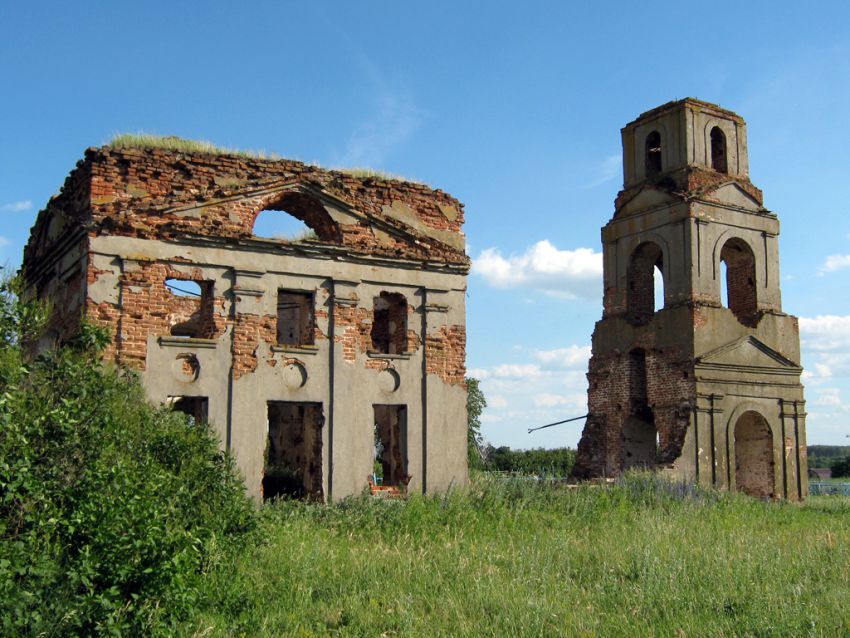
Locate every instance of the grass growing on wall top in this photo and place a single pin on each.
(174, 143)
(182, 145)
(519, 558)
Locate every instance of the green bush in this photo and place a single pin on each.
(840, 467)
(110, 509)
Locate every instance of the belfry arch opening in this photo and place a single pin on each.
(653, 154)
(754, 464)
(738, 286)
(296, 216)
(718, 150)
(645, 283)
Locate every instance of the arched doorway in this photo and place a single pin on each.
(640, 443)
(754, 466)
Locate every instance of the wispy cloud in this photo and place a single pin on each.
(393, 120)
(564, 273)
(16, 207)
(825, 341)
(570, 358)
(835, 262)
(608, 169)
(4, 242)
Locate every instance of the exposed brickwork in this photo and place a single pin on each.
(148, 307)
(662, 391)
(689, 183)
(445, 354)
(154, 193)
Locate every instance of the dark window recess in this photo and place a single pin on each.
(389, 323)
(740, 282)
(653, 154)
(293, 464)
(295, 318)
(391, 445)
(190, 307)
(641, 294)
(718, 150)
(197, 408)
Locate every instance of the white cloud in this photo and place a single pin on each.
(4, 242)
(829, 397)
(550, 400)
(497, 401)
(835, 262)
(825, 341)
(825, 332)
(565, 273)
(568, 358)
(16, 207)
(507, 371)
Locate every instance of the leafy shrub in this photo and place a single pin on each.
(110, 508)
(840, 467)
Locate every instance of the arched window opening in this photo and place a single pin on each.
(296, 217)
(754, 465)
(653, 154)
(190, 308)
(740, 280)
(658, 287)
(641, 275)
(389, 323)
(718, 150)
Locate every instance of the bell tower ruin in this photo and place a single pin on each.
(695, 369)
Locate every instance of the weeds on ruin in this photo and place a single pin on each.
(181, 145)
(110, 509)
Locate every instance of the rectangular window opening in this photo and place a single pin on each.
(293, 459)
(197, 408)
(190, 308)
(390, 460)
(295, 318)
(389, 323)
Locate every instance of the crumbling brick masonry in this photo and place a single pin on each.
(293, 349)
(702, 385)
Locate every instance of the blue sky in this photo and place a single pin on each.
(514, 108)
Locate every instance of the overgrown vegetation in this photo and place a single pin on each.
(548, 462)
(523, 558)
(110, 509)
(179, 144)
(182, 145)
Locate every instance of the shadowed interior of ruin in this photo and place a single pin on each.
(391, 444)
(754, 465)
(294, 451)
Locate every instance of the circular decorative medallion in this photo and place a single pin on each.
(294, 376)
(388, 380)
(186, 368)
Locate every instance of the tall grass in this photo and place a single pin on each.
(182, 145)
(516, 558)
(174, 143)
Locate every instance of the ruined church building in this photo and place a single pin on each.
(307, 356)
(702, 385)
(322, 360)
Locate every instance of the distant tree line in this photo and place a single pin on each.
(826, 455)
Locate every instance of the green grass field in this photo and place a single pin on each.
(516, 558)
